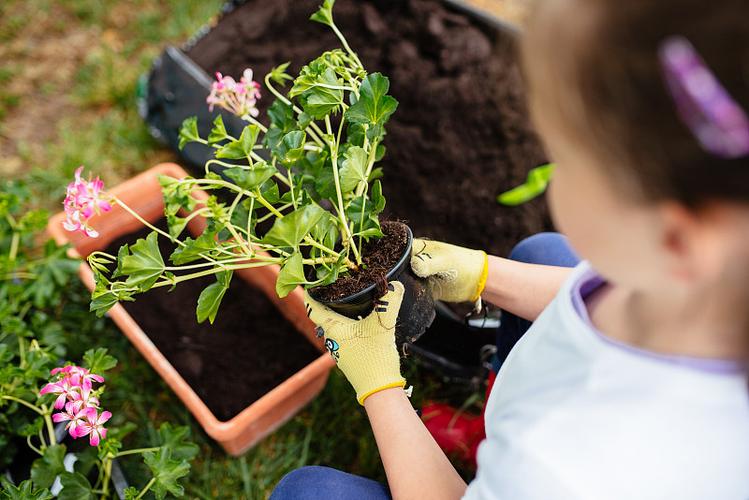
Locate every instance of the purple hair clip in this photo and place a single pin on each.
(704, 105)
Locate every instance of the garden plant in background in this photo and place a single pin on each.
(310, 175)
(39, 306)
(40, 309)
(70, 398)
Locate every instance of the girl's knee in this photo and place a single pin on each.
(300, 481)
(551, 249)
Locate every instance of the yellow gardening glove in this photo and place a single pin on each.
(456, 274)
(364, 349)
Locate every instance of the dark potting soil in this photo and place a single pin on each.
(378, 257)
(461, 134)
(248, 350)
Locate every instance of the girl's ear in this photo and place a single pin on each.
(694, 242)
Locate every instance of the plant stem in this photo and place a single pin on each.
(179, 279)
(28, 443)
(24, 403)
(50, 427)
(339, 194)
(310, 129)
(146, 223)
(14, 246)
(251, 119)
(107, 476)
(266, 204)
(346, 45)
(135, 451)
(263, 258)
(146, 488)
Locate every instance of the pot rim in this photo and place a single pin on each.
(396, 269)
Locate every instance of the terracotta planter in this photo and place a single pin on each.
(237, 435)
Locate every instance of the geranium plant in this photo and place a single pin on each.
(310, 173)
(41, 322)
(71, 397)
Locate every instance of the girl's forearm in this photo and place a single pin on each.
(520, 288)
(415, 465)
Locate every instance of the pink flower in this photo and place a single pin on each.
(239, 98)
(74, 385)
(82, 399)
(92, 426)
(63, 388)
(72, 415)
(83, 200)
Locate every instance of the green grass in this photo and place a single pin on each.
(98, 126)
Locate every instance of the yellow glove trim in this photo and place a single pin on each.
(482, 279)
(364, 396)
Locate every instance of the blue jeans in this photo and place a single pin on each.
(314, 482)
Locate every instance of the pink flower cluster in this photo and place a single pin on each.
(84, 199)
(80, 408)
(239, 98)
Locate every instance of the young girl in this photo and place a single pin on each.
(631, 382)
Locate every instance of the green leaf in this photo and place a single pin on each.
(291, 229)
(250, 178)
(291, 275)
(131, 493)
(210, 298)
(291, 148)
(144, 265)
(279, 74)
(319, 101)
(324, 14)
(374, 106)
(535, 185)
(102, 298)
(75, 487)
(166, 472)
(353, 168)
(25, 491)
(44, 470)
(189, 131)
(218, 132)
(175, 439)
(98, 360)
(193, 248)
(326, 231)
(176, 225)
(177, 195)
(242, 147)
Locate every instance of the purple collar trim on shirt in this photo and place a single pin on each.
(589, 282)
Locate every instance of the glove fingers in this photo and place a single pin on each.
(321, 314)
(386, 308)
(428, 257)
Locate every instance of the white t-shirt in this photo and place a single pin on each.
(575, 415)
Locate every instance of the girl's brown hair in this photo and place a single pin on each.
(595, 64)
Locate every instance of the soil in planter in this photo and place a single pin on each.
(248, 351)
(378, 257)
(461, 134)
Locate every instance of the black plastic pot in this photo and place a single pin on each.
(417, 309)
(460, 349)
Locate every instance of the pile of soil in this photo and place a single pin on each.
(248, 350)
(461, 134)
(378, 257)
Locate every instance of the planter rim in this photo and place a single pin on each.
(394, 272)
(223, 431)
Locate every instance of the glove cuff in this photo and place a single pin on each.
(482, 279)
(401, 383)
